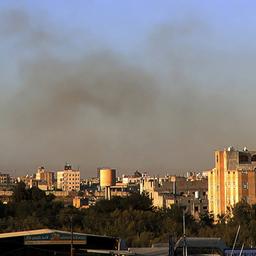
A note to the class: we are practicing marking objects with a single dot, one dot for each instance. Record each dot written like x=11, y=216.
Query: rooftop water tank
x=107, y=177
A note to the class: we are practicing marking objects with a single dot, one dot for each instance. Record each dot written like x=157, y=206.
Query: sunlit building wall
x=68, y=179
x=233, y=179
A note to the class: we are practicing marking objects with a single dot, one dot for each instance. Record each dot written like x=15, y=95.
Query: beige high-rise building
x=233, y=179
x=68, y=179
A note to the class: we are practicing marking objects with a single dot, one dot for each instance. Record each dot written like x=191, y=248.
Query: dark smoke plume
x=99, y=108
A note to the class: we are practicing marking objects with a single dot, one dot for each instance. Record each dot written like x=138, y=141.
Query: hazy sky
x=144, y=85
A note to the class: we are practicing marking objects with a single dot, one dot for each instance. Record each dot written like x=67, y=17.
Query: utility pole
x=234, y=244
x=185, y=249
x=71, y=231
x=171, y=246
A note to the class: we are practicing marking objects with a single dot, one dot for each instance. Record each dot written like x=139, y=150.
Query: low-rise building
x=81, y=202
x=187, y=192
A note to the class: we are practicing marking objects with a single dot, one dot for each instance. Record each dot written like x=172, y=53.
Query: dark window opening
x=244, y=158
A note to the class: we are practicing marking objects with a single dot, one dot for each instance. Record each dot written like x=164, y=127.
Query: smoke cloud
x=165, y=113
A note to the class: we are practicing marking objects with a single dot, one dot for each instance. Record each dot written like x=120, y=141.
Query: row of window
x=75, y=179
x=230, y=172
x=71, y=182
x=71, y=179
x=71, y=187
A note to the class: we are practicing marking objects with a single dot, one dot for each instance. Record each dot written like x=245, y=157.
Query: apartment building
x=45, y=179
x=233, y=179
x=5, y=179
x=68, y=179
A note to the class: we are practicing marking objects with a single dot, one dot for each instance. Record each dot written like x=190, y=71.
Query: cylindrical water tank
x=107, y=177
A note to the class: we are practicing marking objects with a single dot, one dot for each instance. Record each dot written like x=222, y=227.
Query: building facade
x=5, y=179
x=189, y=193
x=68, y=179
x=45, y=179
x=233, y=179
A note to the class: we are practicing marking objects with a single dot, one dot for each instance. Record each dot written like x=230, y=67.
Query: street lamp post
x=71, y=230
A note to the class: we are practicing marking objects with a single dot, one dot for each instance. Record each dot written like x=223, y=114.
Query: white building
x=68, y=179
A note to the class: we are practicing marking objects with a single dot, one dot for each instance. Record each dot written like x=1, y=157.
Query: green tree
x=206, y=219
x=36, y=194
x=19, y=192
x=242, y=213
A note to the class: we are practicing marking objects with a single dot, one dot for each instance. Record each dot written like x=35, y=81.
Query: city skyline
x=130, y=85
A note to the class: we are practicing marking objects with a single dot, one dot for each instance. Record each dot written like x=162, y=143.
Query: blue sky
x=123, y=23
x=165, y=78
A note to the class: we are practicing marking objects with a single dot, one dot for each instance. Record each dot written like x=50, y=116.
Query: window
x=244, y=158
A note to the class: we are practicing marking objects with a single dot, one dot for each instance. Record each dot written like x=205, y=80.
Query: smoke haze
x=164, y=108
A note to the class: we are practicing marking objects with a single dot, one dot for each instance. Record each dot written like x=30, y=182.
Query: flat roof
x=41, y=232
x=202, y=242
x=27, y=233
x=150, y=251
